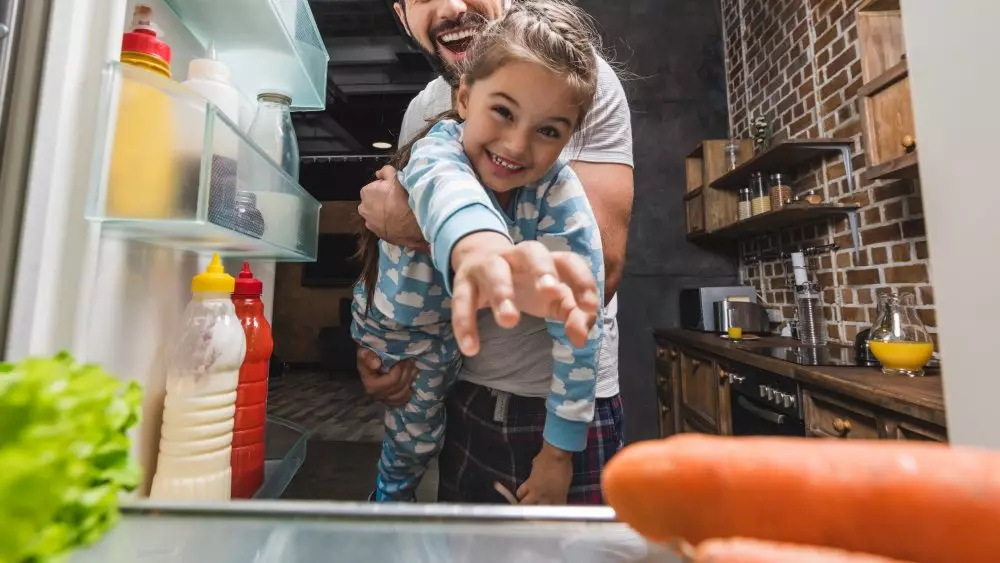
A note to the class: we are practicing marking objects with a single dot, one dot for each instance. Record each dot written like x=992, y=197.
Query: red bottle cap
x=143, y=37
x=246, y=284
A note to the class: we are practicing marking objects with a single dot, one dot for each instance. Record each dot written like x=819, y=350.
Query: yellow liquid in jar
x=735, y=333
x=910, y=356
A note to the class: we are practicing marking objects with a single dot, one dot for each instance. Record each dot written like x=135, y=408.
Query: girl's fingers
x=463, y=314
x=532, y=259
x=495, y=285
x=574, y=272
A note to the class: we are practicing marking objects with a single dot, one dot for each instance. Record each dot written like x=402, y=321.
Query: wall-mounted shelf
x=173, y=171
x=267, y=44
x=794, y=214
x=905, y=167
x=786, y=156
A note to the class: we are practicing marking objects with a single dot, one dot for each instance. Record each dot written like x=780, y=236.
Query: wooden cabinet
x=704, y=403
x=827, y=417
x=896, y=429
x=708, y=208
x=668, y=390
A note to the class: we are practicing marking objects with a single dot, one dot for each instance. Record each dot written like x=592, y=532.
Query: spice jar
x=732, y=155
x=761, y=202
x=744, y=208
x=780, y=191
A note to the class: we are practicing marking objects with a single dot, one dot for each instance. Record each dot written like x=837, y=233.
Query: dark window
x=334, y=266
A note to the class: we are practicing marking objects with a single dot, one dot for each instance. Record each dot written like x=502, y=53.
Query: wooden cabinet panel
x=700, y=388
x=835, y=418
x=916, y=431
x=668, y=390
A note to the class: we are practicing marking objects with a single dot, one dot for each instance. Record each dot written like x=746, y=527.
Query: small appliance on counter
x=751, y=317
x=697, y=305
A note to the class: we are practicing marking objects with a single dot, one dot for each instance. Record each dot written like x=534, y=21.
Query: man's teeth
x=457, y=35
x=504, y=164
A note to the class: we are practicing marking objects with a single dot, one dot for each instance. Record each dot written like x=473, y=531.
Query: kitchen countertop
x=921, y=398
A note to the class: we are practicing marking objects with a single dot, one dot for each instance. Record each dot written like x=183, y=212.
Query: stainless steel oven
x=764, y=404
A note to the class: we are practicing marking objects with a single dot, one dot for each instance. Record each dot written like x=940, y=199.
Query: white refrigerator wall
x=112, y=302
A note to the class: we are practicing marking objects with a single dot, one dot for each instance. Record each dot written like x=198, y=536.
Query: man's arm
x=610, y=191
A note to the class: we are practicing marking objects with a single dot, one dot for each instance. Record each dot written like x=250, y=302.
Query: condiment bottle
x=142, y=176
x=744, y=209
x=780, y=192
x=761, y=202
x=251, y=394
x=203, y=367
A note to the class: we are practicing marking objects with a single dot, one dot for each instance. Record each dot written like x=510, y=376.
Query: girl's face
x=517, y=121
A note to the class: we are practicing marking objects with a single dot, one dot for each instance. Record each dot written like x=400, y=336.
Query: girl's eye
x=502, y=112
x=551, y=132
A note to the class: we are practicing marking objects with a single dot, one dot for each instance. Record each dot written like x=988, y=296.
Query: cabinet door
x=667, y=390
x=916, y=431
x=700, y=390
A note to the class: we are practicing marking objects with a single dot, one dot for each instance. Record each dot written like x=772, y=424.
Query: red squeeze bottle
x=251, y=393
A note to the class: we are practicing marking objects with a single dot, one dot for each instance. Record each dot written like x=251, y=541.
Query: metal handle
x=664, y=408
x=660, y=352
x=695, y=363
x=673, y=354
x=759, y=412
x=842, y=426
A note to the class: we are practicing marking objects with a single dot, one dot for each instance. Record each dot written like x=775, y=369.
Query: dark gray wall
x=673, y=49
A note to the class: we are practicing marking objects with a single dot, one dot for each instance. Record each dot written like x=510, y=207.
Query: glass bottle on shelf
x=761, y=202
x=732, y=155
x=744, y=210
x=899, y=339
x=780, y=192
x=273, y=132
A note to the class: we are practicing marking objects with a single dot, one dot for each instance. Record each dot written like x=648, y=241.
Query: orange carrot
x=926, y=503
x=740, y=550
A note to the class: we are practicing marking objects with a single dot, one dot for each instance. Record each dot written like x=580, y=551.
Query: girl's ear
x=463, y=99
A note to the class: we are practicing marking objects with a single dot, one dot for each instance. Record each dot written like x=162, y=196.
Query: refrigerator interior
x=108, y=301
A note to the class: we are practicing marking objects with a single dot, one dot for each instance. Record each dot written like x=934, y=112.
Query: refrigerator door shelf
x=267, y=44
x=172, y=170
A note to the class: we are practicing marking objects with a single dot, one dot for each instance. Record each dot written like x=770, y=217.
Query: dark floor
x=346, y=433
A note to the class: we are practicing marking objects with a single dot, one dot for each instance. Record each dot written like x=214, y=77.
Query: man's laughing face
x=444, y=29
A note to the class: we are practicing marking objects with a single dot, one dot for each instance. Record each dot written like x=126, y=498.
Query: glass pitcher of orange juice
x=898, y=338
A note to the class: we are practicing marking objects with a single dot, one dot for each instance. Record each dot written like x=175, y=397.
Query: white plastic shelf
x=267, y=44
x=172, y=170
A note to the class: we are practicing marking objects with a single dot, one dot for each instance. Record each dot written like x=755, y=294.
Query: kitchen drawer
x=916, y=431
x=835, y=418
x=668, y=419
x=700, y=387
x=692, y=424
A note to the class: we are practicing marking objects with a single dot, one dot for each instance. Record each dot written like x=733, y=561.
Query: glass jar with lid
x=760, y=199
x=732, y=154
x=745, y=210
x=780, y=191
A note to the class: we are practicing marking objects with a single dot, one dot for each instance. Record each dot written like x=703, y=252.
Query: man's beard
x=450, y=74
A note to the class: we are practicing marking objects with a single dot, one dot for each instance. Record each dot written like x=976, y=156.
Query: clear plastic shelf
x=267, y=44
x=284, y=453
x=172, y=170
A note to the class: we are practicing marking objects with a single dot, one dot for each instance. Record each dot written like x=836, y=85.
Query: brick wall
x=797, y=63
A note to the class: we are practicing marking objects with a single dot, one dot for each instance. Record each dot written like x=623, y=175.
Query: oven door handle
x=759, y=412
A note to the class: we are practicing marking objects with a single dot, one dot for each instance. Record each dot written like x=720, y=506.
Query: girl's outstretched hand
x=525, y=278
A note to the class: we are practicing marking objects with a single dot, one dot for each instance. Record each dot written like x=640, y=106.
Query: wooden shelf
x=781, y=158
x=694, y=193
x=791, y=215
x=879, y=6
x=896, y=73
x=901, y=168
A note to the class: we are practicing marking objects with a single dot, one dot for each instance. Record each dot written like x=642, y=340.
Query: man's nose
x=452, y=9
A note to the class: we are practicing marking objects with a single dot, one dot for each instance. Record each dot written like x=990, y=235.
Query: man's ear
x=401, y=14
x=462, y=99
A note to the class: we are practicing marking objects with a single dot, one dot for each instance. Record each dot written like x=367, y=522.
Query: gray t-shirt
x=519, y=360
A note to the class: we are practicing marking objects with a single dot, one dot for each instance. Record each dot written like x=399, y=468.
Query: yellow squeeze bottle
x=142, y=179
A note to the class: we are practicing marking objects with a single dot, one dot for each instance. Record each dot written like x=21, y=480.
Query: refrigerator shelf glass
x=172, y=170
x=267, y=44
x=284, y=453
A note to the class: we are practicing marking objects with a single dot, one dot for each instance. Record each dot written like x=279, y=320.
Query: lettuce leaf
x=64, y=456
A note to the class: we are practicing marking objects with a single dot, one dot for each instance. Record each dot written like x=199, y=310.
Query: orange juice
x=735, y=333
x=910, y=356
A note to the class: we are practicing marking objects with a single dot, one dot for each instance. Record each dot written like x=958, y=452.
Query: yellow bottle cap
x=214, y=279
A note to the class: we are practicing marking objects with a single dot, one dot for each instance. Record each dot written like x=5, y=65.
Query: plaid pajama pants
x=494, y=436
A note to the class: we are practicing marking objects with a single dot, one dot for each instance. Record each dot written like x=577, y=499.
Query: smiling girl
x=526, y=87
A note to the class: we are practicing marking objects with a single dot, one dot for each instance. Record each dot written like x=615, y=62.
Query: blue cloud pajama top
x=410, y=316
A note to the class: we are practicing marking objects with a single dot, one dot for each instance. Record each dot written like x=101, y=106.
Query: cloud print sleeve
x=446, y=197
x=566, y=223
